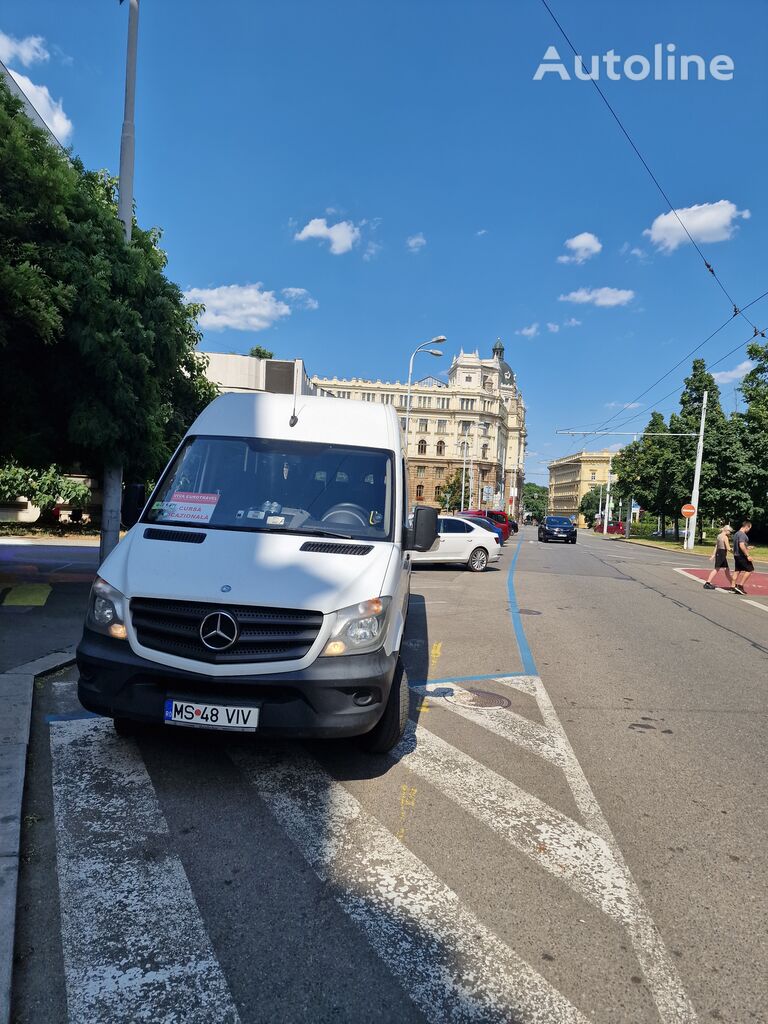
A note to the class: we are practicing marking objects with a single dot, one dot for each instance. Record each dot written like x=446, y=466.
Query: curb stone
x=16, y=689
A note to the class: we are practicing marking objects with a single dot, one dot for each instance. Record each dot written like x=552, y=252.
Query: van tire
x=125, y=727
x=389, y=729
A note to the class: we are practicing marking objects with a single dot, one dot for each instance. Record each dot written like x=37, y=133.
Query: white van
x=265, y=587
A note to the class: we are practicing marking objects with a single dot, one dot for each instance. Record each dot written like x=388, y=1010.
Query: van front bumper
x=319, y=701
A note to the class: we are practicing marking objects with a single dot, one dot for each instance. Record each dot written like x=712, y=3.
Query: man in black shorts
x=742, y=561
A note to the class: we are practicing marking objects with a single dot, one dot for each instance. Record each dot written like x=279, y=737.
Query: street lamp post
x=425, y=347
x=112, y=484
x=690, y=538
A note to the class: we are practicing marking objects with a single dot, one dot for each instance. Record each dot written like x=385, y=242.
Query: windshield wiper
x=307, y=533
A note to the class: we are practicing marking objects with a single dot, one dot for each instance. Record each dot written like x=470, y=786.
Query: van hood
x=238, y=567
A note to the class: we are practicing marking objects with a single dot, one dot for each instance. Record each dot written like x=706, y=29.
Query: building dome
x=498, y=350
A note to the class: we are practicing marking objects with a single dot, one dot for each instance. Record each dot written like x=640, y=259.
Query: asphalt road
x=573, y=828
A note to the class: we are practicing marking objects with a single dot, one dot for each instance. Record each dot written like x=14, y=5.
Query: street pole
x=112, y=483
x=600, y=506
x=691, y=525
x=439, y=340
x=607, y=501
x=464, y=470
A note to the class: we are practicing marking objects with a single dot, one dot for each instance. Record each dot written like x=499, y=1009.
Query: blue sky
x=360, y=125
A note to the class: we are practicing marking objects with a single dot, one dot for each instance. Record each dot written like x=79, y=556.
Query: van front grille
x=262, y=634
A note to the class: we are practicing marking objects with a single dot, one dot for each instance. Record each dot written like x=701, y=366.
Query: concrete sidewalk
x=16, y=691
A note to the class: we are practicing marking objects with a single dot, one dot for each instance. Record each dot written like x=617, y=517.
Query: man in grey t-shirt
x=743, y=563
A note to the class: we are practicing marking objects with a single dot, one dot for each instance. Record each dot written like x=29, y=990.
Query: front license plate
x=211, y=716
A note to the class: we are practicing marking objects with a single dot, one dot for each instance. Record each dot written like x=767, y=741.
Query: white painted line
x=450, y=964
x=762, y=607
x=135, y=946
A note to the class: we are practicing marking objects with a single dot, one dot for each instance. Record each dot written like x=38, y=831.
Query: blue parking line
x=526, y=655
x=465, y=679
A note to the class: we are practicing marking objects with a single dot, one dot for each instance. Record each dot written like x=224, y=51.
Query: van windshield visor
x=236, y=483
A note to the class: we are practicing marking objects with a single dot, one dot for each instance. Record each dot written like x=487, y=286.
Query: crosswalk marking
x=135, y=946
x=452, y=966
x=617, y=890
x=27, y=595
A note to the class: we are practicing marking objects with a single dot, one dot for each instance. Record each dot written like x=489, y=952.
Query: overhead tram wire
x=737, y=311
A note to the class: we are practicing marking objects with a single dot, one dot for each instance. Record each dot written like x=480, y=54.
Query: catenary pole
x=607, y=499
x=112, y=484
x=690, y=538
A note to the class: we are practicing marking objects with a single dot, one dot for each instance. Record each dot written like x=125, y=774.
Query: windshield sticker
x=189, y=507
x=275, y=520
x=255, y=514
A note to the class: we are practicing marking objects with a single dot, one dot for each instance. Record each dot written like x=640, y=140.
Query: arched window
x=441, y=447
x=422, y=447
x=485, y=451
x=419, y=490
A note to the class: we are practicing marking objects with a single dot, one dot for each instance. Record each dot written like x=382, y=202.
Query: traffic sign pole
x=691, y=536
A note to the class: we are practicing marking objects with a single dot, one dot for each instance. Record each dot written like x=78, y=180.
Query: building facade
x=571, y=477
x=474, y=419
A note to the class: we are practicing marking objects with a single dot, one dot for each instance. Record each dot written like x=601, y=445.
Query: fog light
x=118, y=631
x=363, y=698
x=335, y=647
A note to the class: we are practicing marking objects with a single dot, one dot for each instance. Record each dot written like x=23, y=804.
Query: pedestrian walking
x=720, y=556
x=742, y=561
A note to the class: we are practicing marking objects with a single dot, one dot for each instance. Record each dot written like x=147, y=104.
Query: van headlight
x=106, y=610
x=359, y=628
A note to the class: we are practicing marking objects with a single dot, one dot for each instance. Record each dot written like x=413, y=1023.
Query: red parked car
x=499, y=519
x=612, y=528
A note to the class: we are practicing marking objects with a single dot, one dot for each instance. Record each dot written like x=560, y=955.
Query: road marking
x=663, y=980
x=27, y=595
x=135, y=946
x=762, y=607
x=437, y=650
x=450, y=964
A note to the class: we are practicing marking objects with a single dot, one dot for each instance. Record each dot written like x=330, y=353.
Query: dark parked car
x=557, y=528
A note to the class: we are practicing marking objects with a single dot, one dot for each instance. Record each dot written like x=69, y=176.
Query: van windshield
x=237, y=483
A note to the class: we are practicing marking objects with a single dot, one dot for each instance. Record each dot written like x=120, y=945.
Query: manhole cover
x=479, y=700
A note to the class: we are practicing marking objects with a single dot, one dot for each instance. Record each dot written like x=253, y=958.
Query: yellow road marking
x=437, y=650
x=27, y=594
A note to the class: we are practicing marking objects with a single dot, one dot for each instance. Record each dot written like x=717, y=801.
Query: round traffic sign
x=688, y=511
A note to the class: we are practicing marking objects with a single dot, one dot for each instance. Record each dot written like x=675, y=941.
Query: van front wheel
x=389, y=729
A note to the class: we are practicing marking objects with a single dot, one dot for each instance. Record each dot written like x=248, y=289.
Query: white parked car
x=459, y=540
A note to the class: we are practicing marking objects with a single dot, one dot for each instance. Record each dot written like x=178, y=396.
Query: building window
x=441, y=447
x=465, y=426
x=467, y=403
x=593, y=475
x=425, y=402
x=402, y=422
x=443, y=403
x=438, y=493
x=439, y=472
x=468, y=378
x=419, y=490
x=420, y=470
x=387, y=399
x=423, y=426
x=402, y=401
x=485, y=452
x=442, y=426
x=422, y=447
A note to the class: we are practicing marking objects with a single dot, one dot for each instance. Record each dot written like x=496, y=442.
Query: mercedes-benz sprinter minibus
x=265, y=586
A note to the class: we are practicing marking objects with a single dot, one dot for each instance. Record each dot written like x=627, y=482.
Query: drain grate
x=478, y=700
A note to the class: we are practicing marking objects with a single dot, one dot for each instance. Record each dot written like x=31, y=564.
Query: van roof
x=327, y=420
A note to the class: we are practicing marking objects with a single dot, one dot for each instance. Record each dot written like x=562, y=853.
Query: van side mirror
x=134, y=500
x=423, y=533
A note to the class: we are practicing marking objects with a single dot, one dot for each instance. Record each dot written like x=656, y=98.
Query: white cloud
x=622, y=405
x=529, y=332
x=481, y=232
x=634, y=250
x=29, y=50
x=600, y=296
x=582, y=247
x=239, y=307
x=372, y=250
x=572, y=322
x=342, y=236
x=553, y=328
x=300, y=297
x=416, y=242
x=706, y=222
x=49, y=109
x=728, y=376
x=615, y=447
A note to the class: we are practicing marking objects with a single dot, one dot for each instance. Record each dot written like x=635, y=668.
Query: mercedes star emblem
x=218, y=631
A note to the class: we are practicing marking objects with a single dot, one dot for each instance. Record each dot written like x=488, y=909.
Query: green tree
x=590, y=504
x=258, y=352
x=97, y=346
x=753, y=424
x=450, y=497
x=44, y=487
x=535, y=499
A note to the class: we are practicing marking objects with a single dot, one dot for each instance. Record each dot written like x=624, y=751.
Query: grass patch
x=759, y=552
